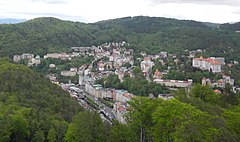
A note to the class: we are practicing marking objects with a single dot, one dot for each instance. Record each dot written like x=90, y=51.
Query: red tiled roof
x=209, y=60
x=217, y=91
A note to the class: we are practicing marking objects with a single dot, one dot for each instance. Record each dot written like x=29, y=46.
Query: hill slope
x=232, y=27
x=31, y=106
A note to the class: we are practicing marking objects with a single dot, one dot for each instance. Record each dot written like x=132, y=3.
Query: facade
x=211, y=64
x=62, y=56
x=35, y=61
x=165, y=96
x=206, y=81
x=17, y=58
x=175, y=83
x=68, y=73
x=101, y=66
x=146, y=64
x=157, y=74
x=27, y=56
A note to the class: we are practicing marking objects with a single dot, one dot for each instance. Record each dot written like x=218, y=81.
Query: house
x=120, y=74
x=235, y=89
x=146, y=65
x=211, y=64
x=163, y=55
x=165, y=96
x=62, y=56
x=192, y=54
x=34, y=61
x=17, y=58
x=101, y=66
x=68, y=73
x=228, y=80
x=27, y=56
x=206, y=81
x=108, y=93
x=157, y=74
x=216, y=91
x=52, y=66
x=143, y=53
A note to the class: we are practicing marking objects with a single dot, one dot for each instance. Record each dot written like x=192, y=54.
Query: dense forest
x=150, y=34
x=31, y=107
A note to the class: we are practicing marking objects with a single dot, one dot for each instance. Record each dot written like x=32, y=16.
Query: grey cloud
x=214, y=2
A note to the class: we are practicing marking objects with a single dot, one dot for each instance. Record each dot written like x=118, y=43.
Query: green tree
x=6, y=128
x=39, y=136
x=86, y=127
x=122, y=133
x=232, y=117
x=176, y=121
x=140, y=118
x=51, y=137
x=20, y=131
x=205, y=93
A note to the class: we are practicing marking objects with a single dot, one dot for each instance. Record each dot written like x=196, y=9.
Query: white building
x=147, y=64
x=68, y=73
x=17, y=58
x=35, y=61
x=175, y=83
x=211, y=64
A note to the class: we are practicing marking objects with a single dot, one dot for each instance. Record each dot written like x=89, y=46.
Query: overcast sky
x=217, y=11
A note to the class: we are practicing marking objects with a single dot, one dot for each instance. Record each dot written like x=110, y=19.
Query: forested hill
x=151, y=34
x=42, y=35
x=146, y=25
x=31, y=107
x=232, y=27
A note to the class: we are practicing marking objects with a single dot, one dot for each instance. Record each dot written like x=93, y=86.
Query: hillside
x=31, y=106
x=142, y=24
x=232, y=27
x=151, y=34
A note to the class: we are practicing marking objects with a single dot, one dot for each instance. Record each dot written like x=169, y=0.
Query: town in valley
x=96, y=76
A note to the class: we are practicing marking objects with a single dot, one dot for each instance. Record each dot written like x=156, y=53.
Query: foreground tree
x=86, y=127
x=176, y=121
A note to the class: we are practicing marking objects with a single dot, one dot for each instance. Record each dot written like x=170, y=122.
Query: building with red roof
x=211, y=64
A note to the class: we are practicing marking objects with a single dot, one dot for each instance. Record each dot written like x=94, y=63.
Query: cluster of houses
x=221, y=83
x=193, y=53
x=31, y=59
x=116, y=54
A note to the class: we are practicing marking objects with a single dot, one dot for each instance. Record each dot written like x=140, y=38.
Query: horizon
x=16, y=21
x=91, y=11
